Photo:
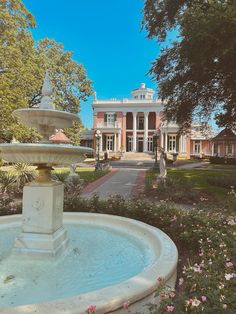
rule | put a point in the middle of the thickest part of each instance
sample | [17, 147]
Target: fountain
[92, 259]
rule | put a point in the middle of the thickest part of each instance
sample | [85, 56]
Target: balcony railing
[108, 125]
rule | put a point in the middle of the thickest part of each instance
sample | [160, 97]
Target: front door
[140, 144]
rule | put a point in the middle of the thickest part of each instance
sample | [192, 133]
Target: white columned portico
[119, 140]
[134, 131]
[166, 140]
[114, 142]
[145, 140]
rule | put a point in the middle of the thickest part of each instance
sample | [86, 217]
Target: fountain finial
[46, 101]
[47, 85]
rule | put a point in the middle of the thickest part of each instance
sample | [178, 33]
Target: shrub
[6, 181]
[222, 160]
[224, 181]
[8, 206]
[23, 175]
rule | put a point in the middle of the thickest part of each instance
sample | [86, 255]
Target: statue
[162, 164]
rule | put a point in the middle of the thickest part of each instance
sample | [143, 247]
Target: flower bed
[207, 247]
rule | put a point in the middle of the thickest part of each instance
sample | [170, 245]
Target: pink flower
[91, 309]
[204, 298]
[170, 308]
[229, 264]
[126, 305]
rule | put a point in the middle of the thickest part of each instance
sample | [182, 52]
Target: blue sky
[105, 37]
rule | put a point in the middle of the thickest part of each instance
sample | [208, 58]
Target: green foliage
[8, 205]
[6, 181]
[222, 160]
[23, 175]
[69, 79]
[225, 181]
[196, 74]
[22, 68]
[19, 65]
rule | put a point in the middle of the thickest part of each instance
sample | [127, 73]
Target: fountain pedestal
[42, 226]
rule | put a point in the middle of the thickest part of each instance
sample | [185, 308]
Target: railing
[114, 124]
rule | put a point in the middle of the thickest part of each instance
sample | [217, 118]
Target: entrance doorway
[140, 144]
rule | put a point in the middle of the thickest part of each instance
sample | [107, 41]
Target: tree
[69, 78]
[23, 64]
[197, 73]
[18, 63]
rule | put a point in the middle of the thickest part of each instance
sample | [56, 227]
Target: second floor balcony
[108, 125]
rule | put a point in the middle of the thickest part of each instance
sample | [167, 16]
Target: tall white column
[134, 131]
[166, 141]
[162, 140]
[119, 140]
[180, 143]
[145, 139]
[114, 142]
[101, 143]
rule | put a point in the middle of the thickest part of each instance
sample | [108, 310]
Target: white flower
[196, 302]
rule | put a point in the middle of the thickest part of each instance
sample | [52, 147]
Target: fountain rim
[111, 298]
[48, 112]
[42, 146]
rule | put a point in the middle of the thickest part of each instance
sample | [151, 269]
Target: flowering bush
[8, 206]
[207, 252]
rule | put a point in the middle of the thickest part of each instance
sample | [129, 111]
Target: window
[110, 118]
[140, 122]
[142, 96]
[109, 142]
[229, 149]
[130, 144]
[172, 143]
[196, 147]
[150, 144]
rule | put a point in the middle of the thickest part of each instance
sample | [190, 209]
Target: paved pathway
[124, 182]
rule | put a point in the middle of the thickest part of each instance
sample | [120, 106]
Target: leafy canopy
[22, 68]
[197, 73]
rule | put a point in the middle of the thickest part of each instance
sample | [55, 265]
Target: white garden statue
[163, 171]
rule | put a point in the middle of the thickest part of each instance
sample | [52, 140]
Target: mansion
[128, 125]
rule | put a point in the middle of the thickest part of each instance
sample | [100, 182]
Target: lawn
[194, 186]
[87, 174]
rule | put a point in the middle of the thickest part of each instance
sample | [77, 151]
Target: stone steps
[138, 156]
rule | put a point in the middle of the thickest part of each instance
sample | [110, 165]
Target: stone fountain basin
[47, 117]
[138, 290]
[49, 154]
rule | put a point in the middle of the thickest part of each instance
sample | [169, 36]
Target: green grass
[87, 174]
[190, 185]
[223, 166]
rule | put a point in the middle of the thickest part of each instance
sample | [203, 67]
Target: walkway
[124, 182]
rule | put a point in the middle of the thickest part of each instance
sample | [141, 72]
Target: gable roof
[60, 137]
[226, 134]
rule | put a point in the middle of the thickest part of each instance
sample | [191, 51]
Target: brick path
[124, 182]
